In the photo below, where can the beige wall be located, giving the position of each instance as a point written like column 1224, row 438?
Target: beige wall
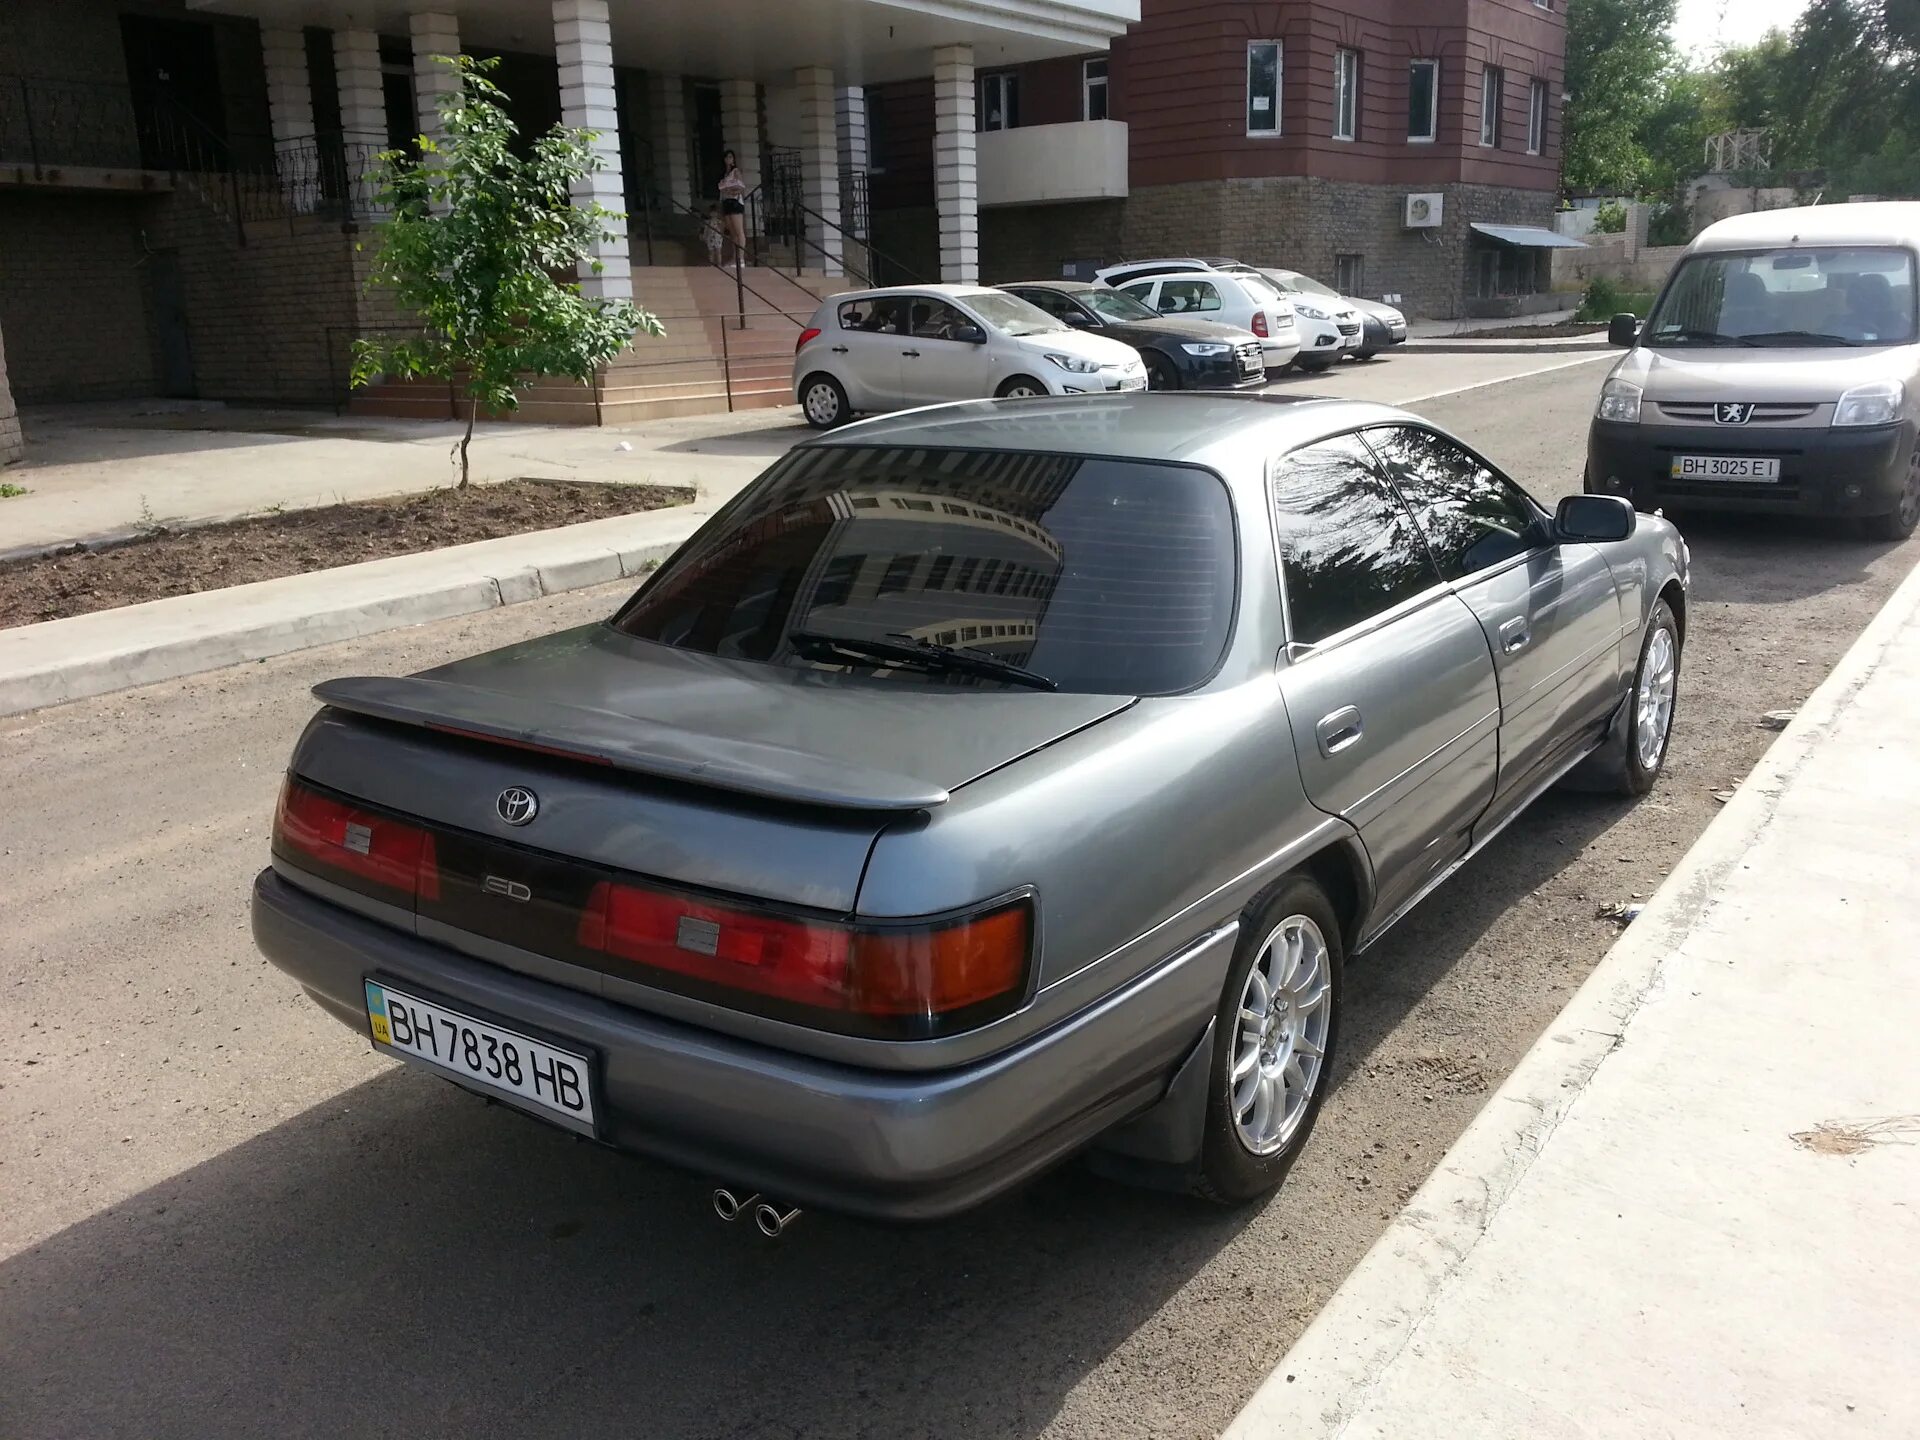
column 1607, row 255
column 10, row 444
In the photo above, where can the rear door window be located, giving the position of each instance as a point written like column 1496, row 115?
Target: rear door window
column 1348, row 548
column 1106, row 576
column 1188, row 297
column 1472, row 517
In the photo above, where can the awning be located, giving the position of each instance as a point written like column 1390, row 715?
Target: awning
column 1529, row 237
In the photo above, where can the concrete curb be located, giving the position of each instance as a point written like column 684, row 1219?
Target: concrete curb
column 1327, row 1377
column 63, row 660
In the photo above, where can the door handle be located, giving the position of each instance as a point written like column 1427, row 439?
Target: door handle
column 1339, row 730
column 1514, row 636
column 839, row 349
column 914, row 353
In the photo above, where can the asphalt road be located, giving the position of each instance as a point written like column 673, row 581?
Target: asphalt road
column 223, row 1216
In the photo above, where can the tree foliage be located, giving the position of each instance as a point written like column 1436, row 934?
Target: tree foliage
column 1619, row 59
column 472, row 239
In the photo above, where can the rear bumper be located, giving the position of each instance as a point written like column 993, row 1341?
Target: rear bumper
column 887, row 1144
column 1822, row 472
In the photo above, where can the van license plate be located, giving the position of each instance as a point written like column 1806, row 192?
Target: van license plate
column 1724, row 467
column 552, row 1082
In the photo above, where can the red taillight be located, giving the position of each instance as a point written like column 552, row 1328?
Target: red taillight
column 812, row 333
column 889, row 973
column 1260, row 323
column 363, row 843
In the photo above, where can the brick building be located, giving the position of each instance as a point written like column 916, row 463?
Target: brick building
column 183, row 194
column 1361, row 141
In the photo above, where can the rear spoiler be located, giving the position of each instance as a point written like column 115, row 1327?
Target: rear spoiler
column 625, row 742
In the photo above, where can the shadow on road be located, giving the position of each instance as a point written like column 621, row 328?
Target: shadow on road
column 404, row 1257
column 1775, row 560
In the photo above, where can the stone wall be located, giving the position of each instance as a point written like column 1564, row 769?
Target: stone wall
column 73, row 296
column 1632, row 267
column 11, row 445
column 1295, row 222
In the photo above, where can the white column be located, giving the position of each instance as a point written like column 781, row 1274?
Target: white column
column 436, row 39
column 740, row 124
column 290, row 111
column 850, row 136
column 583, row 37
column 956, row 190
column 672, row 161
column 363, row 102
column 819, row 169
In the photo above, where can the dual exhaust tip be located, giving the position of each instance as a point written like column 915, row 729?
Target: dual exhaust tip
column 769, row 1218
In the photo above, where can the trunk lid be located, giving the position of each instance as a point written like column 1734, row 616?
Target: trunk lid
column 721, row 775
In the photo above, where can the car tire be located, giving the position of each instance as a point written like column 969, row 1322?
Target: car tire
column 1629, row 762
column 1160, row 374
column 1901, row 521
column 1366, row 355
column 1020, row 387
column 1315, row 366
column 823, row 401
column 1293, row 935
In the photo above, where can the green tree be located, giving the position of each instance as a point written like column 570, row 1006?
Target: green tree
column 472, row 240
column 1619, row 60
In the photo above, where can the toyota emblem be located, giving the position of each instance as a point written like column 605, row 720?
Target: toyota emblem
column 517, row 805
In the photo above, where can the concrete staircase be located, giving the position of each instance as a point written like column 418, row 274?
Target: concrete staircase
column 706, row 362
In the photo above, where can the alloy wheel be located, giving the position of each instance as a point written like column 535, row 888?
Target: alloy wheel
column 1286, row 1010
column 1659, row 676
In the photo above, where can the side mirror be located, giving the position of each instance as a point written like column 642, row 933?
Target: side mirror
column 1623, row 330
column 1594, row 518
column 1078, row 320
column 971, row 334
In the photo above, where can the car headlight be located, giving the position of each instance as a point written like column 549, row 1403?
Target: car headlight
column 1875, row 404
column 1312, row 312
column 1620, row 400
column 1074, row 365
column 1207, row 347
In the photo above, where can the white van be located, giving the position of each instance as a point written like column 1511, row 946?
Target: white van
column 1779, row 373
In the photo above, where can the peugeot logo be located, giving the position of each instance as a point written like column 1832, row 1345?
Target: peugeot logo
column 1732, row 413
column 517, row 805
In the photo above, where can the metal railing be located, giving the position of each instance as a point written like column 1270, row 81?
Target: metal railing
column 49, row 123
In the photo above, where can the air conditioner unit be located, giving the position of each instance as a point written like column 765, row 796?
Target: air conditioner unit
column 1424, row 212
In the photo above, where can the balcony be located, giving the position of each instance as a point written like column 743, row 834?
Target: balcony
column 1053, row 164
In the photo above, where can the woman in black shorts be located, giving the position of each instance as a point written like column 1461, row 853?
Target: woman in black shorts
column 733, row 204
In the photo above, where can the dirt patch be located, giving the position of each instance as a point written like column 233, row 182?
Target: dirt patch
column 212, row 557
column 1533, row 332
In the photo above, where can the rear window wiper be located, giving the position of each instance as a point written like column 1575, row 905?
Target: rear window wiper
column 922, row 654
column 1805, row 337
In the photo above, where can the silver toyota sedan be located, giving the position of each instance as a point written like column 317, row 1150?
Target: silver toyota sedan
column 983, row 785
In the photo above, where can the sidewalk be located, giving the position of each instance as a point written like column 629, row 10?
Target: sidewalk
column 1694, row 1208
column 107, row 470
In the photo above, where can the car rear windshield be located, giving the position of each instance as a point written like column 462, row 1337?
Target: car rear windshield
column 1102, row 576
column 1827, row 296
column 1011, row 314
column 1115, row 305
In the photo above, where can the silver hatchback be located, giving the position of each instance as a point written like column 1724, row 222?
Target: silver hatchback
column 981, row 786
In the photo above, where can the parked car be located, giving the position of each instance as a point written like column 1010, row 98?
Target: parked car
column 1337, row 324
column 917, row 345
column 982, row 784
column 1241, row 301
column 1119, row 274
column 1778, row 373
column 1180, row 354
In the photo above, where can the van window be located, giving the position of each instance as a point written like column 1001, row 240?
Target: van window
column 1785, row 298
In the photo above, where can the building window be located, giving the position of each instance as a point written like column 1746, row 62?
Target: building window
column 1493, row 99
column 877, row 137
column 1537, row 117
column 1093, row 90
column 1000, row 101
column 1264, row 66
column 1423, row 100
column 1346, row 94
column 1350, row 274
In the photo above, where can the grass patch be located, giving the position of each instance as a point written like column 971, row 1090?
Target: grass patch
column 1604, row 300
column 9, row 492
